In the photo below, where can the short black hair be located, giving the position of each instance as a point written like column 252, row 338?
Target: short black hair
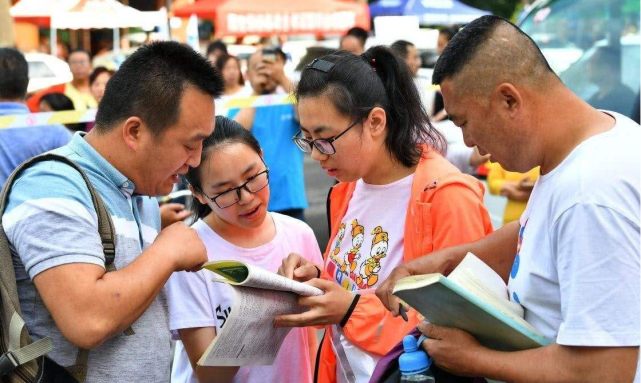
column 150, row 85
column 79, row 50
column 400, row 48
column 358, row 32
column 466, row 42
column 216, row 45
column 14, row 74
column 58, row 101
column 448, row 32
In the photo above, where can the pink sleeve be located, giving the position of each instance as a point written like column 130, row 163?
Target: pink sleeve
column 312, row 251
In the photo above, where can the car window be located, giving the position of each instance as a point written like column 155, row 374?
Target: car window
column 38, row 69
column 593, row 45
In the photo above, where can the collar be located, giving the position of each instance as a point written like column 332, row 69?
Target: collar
column 9, row 108
column 80, row 146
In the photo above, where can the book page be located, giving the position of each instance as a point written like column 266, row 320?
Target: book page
column 482, row 272
column 475, row 286
column 241, row 274
column 249, row 337
column 263, row 279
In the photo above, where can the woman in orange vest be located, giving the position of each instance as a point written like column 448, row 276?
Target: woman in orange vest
column 397, row 199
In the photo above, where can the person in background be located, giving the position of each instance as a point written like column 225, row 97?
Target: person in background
column 354, row 40
column 274, row 127
column 98, row 82
column 407, row 51
column 215, row 50
column 516, row 187
column 229, row 68
column 231, row 191
column 19, row 144
column 438, row 109
column 54, row 102
column 78, row 90
column 604, row 71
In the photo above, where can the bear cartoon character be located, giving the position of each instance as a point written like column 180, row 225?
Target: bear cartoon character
column 339, row 241
column 358, row 236
column 370, row 268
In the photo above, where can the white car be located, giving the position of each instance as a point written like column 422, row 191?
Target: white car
column 45, row 71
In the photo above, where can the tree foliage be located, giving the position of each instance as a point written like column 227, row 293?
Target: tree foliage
column 503, row 8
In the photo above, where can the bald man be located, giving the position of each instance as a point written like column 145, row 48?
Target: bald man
column 572, row 261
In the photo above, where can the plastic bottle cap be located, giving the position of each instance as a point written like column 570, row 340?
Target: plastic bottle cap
column 409, row 343
column 413, row 361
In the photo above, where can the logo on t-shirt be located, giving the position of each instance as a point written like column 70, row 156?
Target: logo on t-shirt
column 222, row 315
column 517, row 260
column 346, row 268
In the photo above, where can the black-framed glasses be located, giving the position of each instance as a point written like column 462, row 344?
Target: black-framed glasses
column 323, row 145
column 231, row 196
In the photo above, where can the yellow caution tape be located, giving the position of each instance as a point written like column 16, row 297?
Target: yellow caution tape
column 73, row 117
column 47, row 118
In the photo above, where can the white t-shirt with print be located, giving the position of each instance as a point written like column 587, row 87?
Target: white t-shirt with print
column 577, row 268
column 195, row 301
column 367, row 247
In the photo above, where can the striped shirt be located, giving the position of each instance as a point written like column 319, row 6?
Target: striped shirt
column 50, row 221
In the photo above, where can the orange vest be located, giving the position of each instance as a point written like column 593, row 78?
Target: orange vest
column 446, row 209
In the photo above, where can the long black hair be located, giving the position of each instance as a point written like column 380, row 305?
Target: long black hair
column 356, row 84
column 226, row 131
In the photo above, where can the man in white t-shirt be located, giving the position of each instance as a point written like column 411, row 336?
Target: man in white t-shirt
column 572, row 261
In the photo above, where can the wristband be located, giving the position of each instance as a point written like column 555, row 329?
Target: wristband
column 350, row 310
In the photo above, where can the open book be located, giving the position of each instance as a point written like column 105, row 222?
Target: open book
column 472, row 298
column 249, row 337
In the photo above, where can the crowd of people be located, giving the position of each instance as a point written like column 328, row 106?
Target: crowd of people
column 569, row 251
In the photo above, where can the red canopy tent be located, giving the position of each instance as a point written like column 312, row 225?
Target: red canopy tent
column 204, row 9
column 279, row 17
column 39, row 12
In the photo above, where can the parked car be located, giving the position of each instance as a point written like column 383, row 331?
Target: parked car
column 45, row 71
column 594, row 46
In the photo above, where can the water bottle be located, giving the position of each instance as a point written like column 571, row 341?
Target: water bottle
column 414, row 363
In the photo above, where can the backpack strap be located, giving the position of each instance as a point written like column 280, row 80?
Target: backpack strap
column 105, row 225
column 107, row 236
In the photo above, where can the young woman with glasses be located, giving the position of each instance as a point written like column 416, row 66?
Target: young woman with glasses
column 397, row 199
column 231, row 192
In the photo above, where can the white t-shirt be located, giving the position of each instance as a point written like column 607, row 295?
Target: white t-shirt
column 457, row 152
column 367, row 247
column 196, row 301
column 576, row 271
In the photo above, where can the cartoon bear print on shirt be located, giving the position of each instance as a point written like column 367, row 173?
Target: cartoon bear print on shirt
column 370, row 268
column 358, row 236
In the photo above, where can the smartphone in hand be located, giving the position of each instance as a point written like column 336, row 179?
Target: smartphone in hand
column 269, row 54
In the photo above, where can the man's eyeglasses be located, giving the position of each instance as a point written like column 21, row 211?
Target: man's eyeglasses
column 323, row 145
column 232, row 196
